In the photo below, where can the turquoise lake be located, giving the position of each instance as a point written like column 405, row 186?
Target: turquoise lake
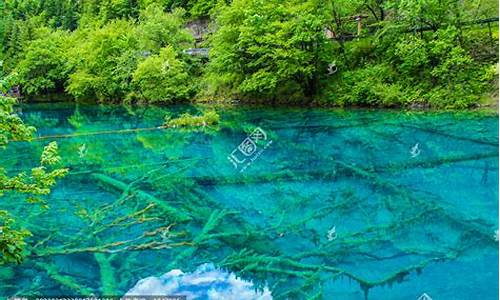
column 310, row 203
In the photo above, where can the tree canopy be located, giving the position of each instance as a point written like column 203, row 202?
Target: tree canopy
column 349, row 52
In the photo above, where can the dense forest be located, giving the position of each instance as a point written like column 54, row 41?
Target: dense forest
column 441, row 54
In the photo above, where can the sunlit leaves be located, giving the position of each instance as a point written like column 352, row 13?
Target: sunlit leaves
column 12, row 241
column 38, row 183
column 44, row 67
column 49, row 155
column 163, row 78
column 263, row 45
column 108, row 59
column 11, row 126
column 98, row 73
column 158, row 29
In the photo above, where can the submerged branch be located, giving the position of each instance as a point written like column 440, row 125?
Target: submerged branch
column 176, row 214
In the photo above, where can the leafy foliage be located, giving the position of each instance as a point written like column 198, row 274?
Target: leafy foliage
column 260, row 51
column 373, row 85
column 195, row 8
column 157, row 29
column 105, row 62
column 187, row 120
column 112, row 57
column 422, row 55
column 163, row 78
column 11, row 240
column 269, row 49
column 43, row 67
column 11, row 126
column 38, row 183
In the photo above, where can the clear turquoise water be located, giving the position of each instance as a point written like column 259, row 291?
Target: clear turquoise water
column 408, row 219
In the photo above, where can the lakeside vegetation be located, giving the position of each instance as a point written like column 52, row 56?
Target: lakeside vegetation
column 408, row 53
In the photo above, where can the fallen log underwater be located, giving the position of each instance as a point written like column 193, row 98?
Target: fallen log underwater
column 288, row 265
column 325, row 173
column 197, row 209
column 64, row 280
column 453, row 217
column 436, row 162
column 447, row 135
column 113, row 183
column 106, row 274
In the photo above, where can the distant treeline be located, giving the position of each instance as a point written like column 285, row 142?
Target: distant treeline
column 265, row 51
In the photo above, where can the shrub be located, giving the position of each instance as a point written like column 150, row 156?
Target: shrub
column 162, row 78
column 262, row 45
column 371, row 85
column 187, row 120
column 105, row 61
column 44, row 66
column 158, row 29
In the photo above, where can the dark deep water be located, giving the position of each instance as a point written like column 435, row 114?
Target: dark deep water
column 336, row 204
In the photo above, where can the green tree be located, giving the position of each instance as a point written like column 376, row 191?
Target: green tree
column 270, row 49
column 105, row 59
column 163, row 78
column 195, row 8
column 158, row 29
column 44, row 67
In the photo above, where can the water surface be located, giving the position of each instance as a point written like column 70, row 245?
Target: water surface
column 332, row 204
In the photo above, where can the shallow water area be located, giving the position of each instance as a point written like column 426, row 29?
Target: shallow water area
column 306, row 202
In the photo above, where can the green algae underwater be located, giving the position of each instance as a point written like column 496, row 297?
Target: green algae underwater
column 339, row 204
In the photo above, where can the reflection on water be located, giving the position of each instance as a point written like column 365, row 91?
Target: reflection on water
column 347, row 204
column 205, row 283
